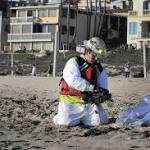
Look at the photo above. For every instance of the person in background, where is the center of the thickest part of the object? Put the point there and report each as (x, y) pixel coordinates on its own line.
(50, 69)
(24, 49)
(127, 69)
(19, 49)
(19, 70)
(33, 72)
(82, 74)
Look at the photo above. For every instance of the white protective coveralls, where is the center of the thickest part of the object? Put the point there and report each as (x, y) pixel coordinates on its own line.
(71, 114)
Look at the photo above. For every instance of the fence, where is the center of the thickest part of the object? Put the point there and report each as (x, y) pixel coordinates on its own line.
(22, 63)
(136, 58)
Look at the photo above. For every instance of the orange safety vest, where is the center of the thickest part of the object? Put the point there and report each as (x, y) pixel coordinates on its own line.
(87, 72)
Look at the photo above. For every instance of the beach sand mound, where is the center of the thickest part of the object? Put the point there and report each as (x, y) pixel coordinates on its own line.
(28, 104)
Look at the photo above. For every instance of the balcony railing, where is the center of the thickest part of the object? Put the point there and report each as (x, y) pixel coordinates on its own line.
(30, 37)
(146, 12)
(132, 13)
(21, 19)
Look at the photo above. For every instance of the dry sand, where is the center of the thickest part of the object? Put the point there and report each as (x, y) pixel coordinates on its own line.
(28, 104)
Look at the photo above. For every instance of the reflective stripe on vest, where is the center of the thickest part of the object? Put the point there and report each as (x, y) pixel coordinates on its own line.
(72, 99)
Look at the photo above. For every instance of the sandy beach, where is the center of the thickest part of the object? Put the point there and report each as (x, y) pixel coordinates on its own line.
(28, 104)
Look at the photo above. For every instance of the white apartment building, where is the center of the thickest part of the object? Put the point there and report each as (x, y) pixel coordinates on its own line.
(139, 23)
(34, 26)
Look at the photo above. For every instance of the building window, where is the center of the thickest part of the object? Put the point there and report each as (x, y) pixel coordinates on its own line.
(148, 27)
(43, 13)
(29, 13)
(65, 11)
(114, 23)
(1, 13)
(133, 28)
(51, 28)
(52, 13)
(37, 28)
(71, 30)
(26, 28)
(44, 29)
(22, 13)
(13, 13)
(146, 5)
(64, 30)
(7, 28)
(16, 29)
(72, 13)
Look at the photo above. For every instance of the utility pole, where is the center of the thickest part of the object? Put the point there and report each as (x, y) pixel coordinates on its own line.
(105, 6)
(11, 59)
(11, 50)
(102, 18)
(68, 24)
(95, 18)
(87, 25)
(55, 46)
(100, 6)
(144, 60)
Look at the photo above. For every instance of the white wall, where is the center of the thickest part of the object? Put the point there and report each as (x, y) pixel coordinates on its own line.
(138, 6)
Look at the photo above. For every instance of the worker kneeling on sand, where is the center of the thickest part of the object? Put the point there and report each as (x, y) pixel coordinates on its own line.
(83, 75)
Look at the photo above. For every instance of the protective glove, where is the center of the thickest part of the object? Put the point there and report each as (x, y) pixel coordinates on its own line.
(91, 88)
(97, 95)
(100, 95)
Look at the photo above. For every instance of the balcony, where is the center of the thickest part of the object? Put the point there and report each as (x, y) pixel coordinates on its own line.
(146, 13)
(21, 19)
(132, 13)
(51, 20)
(30, 37)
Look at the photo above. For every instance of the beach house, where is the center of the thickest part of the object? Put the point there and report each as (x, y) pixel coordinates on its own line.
(138, 28)
(34, 26)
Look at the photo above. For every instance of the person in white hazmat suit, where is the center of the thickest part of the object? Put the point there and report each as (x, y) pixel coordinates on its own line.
(82, 73)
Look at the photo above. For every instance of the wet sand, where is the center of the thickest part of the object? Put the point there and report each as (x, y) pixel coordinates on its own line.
(28, 104)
